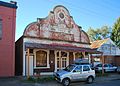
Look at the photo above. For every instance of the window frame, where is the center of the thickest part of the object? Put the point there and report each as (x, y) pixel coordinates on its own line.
(48, 65)
(86, 66)
(1, 28)
(78, 69)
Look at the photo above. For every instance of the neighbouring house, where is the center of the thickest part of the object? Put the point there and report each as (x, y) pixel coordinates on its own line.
(110, 51)
(51, 43)
(7, 38)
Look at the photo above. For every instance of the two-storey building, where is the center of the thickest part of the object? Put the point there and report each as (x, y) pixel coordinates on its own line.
(7, 38)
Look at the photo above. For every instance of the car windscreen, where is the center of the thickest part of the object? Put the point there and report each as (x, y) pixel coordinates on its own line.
(69, 68)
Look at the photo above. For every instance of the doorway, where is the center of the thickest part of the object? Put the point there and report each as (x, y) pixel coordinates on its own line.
(61, 60)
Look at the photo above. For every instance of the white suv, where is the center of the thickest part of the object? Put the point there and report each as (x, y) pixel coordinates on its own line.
(75, 72)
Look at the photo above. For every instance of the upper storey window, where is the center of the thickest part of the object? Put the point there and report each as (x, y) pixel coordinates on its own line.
(0, 28)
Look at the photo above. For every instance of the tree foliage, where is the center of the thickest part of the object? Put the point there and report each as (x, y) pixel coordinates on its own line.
(98, 33)
(115, 36)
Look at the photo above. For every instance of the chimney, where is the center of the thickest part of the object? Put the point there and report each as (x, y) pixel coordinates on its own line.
(13, 2)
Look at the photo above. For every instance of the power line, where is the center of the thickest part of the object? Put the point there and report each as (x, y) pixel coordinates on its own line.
(85, 10)
(107, 5)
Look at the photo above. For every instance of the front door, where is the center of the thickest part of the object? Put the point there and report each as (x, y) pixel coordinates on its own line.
(61, 60)
(77, 73)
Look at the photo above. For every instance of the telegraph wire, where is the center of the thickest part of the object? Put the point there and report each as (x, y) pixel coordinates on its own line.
(107, 6)
(85, 10)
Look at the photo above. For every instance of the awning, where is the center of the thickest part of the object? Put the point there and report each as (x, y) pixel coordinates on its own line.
(60, 47)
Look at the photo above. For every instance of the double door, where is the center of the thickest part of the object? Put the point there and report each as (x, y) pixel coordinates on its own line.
(61, 60)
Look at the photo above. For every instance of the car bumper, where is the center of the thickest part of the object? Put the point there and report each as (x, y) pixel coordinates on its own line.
(57, 78)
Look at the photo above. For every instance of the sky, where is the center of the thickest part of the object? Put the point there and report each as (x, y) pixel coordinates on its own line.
(85, 13)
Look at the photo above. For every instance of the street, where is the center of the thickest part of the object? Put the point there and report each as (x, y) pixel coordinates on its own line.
(113, 79)
(16, 82)
(106, 83)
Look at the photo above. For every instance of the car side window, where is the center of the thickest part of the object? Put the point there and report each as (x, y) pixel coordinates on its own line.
(86, 68)
(105, 65)
(99, 65)
(110, 65)
(78, 69)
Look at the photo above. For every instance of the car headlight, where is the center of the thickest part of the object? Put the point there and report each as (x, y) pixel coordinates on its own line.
(57, 75)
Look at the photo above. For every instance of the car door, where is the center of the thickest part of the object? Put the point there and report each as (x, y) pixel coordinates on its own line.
(107, 68)
(86, 71)
(77, 73)
(111, 68)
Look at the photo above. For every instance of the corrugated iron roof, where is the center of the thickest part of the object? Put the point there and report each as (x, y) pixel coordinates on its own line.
(98, 43)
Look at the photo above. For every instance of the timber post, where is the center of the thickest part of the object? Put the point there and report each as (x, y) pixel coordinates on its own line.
(28, 54)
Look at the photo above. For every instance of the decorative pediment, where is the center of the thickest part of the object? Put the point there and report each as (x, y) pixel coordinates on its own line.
(58, 25)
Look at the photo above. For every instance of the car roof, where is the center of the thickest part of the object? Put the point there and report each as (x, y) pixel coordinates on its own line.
(81, 64)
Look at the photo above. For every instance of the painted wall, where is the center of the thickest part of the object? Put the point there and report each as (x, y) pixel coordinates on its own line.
(58, 28)
(58, 25)
(109, 48)
(7, 43)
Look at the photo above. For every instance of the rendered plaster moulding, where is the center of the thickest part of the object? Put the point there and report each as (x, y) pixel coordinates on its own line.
(58, 25)
(45, 41)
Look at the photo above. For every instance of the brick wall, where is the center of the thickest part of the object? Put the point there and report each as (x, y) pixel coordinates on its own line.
(7, 42)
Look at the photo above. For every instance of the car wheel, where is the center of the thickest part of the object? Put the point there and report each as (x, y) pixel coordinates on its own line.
(66, 82)
(90, 80)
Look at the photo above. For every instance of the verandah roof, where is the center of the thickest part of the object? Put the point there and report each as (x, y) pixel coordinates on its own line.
(61, 47)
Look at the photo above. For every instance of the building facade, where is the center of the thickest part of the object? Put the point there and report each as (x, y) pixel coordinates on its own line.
(7, 38)
(50, 44)
(110, 51)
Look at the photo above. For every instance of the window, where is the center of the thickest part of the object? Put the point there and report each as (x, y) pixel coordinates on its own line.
(99, 65)
(31, 50)
(86, 68)
(69, 68)
(105, 65)
(78, 69)
(110, 65)
(41, 58)
(0, 29)
(78, 55)
(63, 54)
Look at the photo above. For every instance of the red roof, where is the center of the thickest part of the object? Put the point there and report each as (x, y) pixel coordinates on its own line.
(98, 43)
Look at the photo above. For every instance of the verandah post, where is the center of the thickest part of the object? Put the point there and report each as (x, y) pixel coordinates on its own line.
(28, 54)
(102, 64)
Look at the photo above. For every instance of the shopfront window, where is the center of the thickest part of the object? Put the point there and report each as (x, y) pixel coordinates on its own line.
(78, 55)
(41, 58)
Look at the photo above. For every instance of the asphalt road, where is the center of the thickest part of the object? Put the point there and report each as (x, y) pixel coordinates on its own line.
(106, 83)
(54, 83)
(111, 80)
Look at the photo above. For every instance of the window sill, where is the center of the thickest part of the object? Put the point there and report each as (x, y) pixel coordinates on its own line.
(41, 67)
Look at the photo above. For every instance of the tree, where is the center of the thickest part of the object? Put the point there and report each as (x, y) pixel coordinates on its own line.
(115, 35)
(98, 33)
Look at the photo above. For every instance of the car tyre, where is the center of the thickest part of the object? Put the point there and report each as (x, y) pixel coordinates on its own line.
(90, 80)
(66, 82)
